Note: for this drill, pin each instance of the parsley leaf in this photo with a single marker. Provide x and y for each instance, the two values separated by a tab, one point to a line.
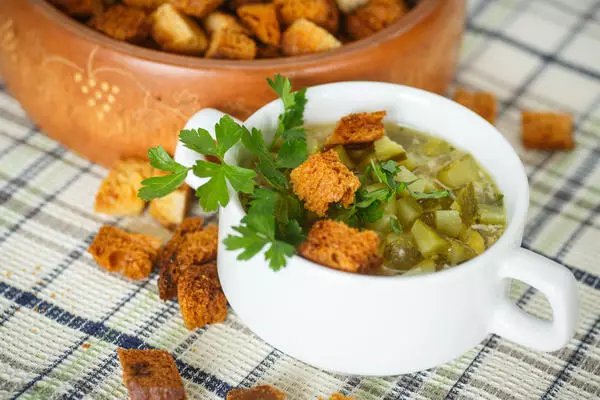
278	254
161	160
160	186
200	141
439	194
292	153
283	87
228	133
293	233
241	179
248	240
214	192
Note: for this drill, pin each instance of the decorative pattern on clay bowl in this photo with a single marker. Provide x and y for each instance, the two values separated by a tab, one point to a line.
107	99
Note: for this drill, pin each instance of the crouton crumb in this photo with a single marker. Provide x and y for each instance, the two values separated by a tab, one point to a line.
265	392
176	32
336	245
373	17
483	103
323	179
262	20
359	128
124	23
546	130
304	37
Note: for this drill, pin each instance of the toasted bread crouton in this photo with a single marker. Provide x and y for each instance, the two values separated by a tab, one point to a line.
483	103
148	4
80	8
322	12
151	374
336	245
235	4
547	130
268	52
176	32
117	194
373	17
124	23
200	296
131	254
217	21
263	392
323	179
304	37
231	45
337	396
262	20
347	6
197	8
358	128
192	244
170	210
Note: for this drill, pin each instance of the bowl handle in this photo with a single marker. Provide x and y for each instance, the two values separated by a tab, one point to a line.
557	283
206	119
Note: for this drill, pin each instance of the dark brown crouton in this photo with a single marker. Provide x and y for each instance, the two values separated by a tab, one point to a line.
336	245
323	179
546	130
232	45
483	103
192	244
217	21
196	8
131	254
151	374
176	32
373	17
200	296
263	392
124	23
262	20
305	37
80	8
359	128
322	12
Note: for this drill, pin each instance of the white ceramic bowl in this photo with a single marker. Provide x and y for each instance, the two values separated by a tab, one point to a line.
372	325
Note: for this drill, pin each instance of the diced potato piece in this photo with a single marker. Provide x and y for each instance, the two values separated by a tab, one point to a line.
466	204
474	240
448	222
427	239
387	149
491	215
382	225
344	157
459	252
411	163
459	172
408	210
401	252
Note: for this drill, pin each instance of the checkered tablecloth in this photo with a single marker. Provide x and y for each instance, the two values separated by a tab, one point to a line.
62	317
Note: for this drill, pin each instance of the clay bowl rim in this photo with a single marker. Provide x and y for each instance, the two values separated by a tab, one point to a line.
422	10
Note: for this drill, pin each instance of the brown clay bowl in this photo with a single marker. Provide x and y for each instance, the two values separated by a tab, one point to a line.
107	99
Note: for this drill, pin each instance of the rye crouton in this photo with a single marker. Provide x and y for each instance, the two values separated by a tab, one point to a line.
80	8
217	21
192	244
336	245
200	296
483	103
131	254
176	32
304	37
170	210
151	374
231	45
547	131
373	17
322	12
125	23
359	128
117	194
196	8
322	180
263	392
347	6
262	20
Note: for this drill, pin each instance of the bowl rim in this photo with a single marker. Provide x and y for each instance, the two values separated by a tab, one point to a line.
422	10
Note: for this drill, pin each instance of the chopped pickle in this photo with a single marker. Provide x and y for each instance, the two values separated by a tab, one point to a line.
466	203
435	147
436	204
401	252
424	267
459	252
344	157
428	240
387	149
459	172
358	154
429	218
417	184
408	210
474	240
448	222
491	215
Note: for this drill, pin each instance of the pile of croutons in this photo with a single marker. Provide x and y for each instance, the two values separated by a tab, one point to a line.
237	29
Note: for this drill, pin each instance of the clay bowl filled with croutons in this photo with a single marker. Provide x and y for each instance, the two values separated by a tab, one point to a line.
109	78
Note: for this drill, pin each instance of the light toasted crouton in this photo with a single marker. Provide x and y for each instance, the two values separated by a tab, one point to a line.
131	254
117	194
547	130
321	180
347	6
304	37
483	103
218	20
192	244
148	4
322	12
80	8
358	128
373	17
196	8
176	32
171	209
337	396
200	296
262	20
336	245
264	392
232	45
124	23
151	374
